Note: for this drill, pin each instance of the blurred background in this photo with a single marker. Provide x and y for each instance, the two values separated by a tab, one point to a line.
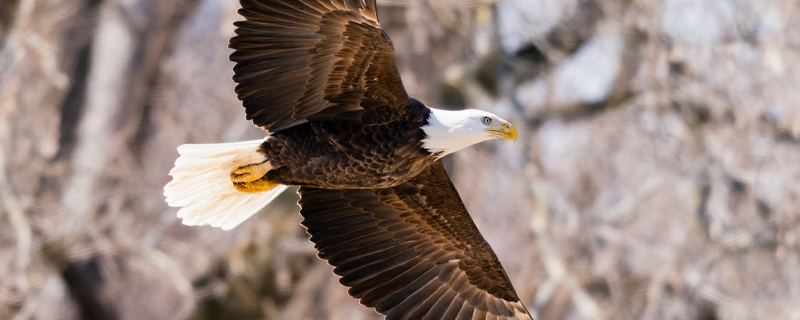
657	174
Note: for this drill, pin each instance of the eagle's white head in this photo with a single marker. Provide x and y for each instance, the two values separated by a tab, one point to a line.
450	131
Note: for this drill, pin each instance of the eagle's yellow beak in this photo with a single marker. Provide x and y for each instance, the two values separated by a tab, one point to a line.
505	130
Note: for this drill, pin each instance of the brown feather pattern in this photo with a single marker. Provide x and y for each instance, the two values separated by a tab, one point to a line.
345	153
410	251
378	206
311	60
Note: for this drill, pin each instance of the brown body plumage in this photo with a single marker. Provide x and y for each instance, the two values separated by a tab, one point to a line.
320	77
335	154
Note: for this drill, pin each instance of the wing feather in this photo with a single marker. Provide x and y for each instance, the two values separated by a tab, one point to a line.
410	252
312	60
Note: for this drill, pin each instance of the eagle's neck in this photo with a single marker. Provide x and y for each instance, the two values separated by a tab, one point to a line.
449	131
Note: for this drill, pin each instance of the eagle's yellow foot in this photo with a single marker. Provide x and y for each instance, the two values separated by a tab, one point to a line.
251	172
260	185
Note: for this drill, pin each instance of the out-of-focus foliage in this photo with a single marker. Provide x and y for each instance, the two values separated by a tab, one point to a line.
657	175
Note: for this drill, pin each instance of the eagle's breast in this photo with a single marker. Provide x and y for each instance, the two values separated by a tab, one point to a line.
339	153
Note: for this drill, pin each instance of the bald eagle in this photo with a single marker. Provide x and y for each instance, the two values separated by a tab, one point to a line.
320	77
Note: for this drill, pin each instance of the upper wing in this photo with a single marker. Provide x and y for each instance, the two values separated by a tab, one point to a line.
311	59
410	252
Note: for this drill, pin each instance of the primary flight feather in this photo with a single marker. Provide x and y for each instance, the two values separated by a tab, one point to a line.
320	77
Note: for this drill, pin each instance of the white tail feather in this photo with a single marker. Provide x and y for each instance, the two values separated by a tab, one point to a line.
201	184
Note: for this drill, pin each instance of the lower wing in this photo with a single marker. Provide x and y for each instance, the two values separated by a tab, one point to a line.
410	252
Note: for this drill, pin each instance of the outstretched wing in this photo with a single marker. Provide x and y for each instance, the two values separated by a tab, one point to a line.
410	252
304	60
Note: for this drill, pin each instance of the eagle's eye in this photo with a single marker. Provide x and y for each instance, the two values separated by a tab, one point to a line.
487	121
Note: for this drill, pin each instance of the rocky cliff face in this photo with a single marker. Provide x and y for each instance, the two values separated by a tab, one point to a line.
657	174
